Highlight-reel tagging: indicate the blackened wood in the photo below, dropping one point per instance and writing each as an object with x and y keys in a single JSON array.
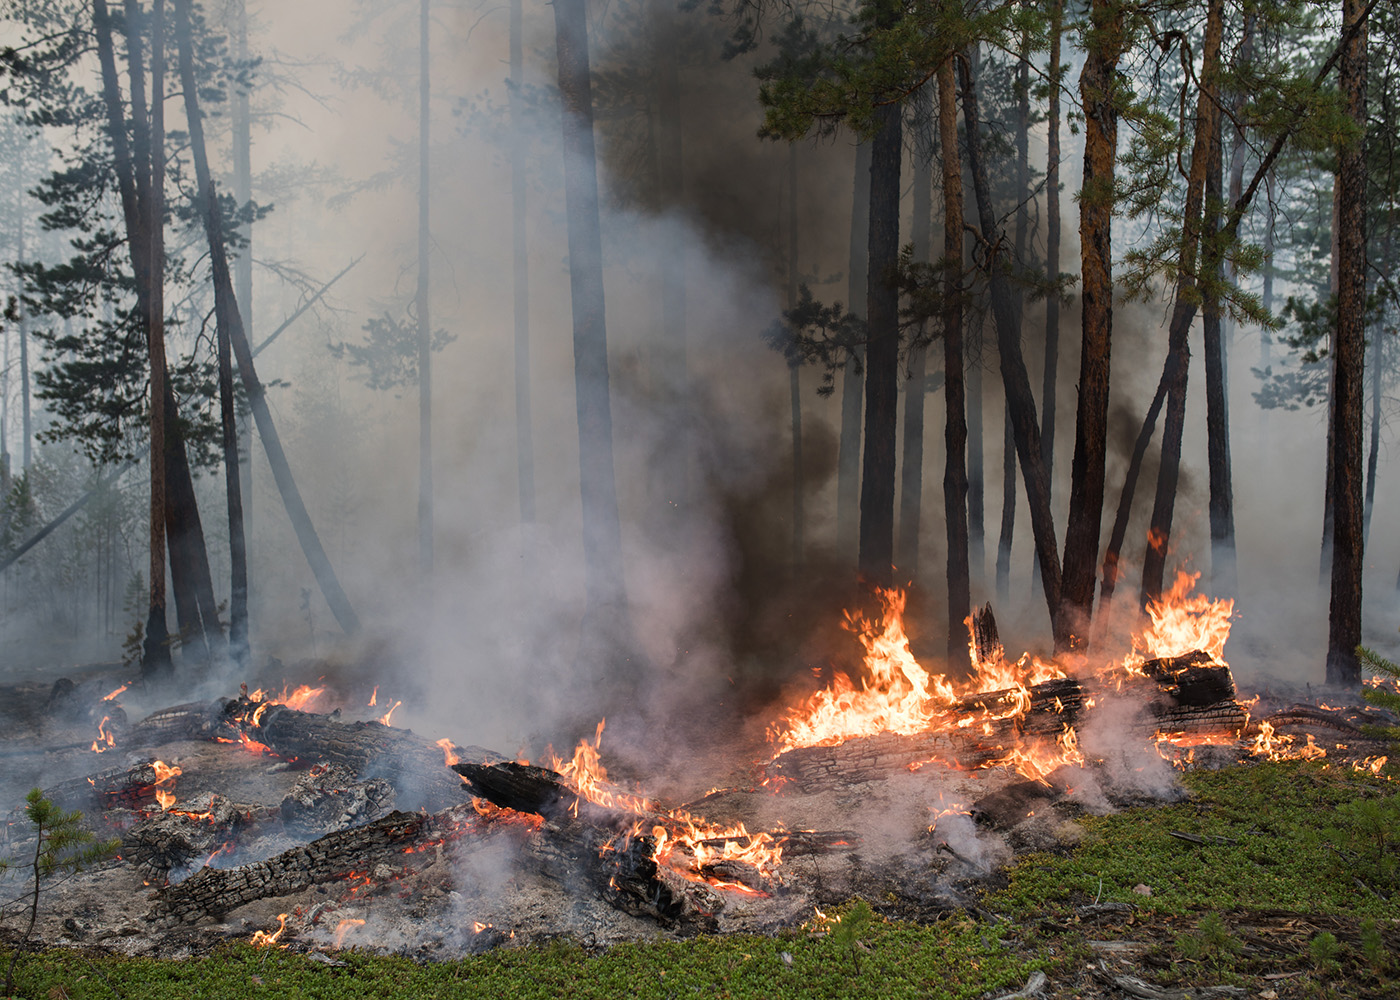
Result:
[
  {"x": 986, "y": 643},
  {"x": 212, "y": 892},
  {"x": 522, "y": 787},
  {"x": 1192, "y": 680}
]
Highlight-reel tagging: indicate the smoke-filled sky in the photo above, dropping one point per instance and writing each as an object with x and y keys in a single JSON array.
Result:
[{"x": 714, "y": 599}]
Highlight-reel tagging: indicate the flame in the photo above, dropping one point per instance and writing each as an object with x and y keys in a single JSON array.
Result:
[
  {"x": 679, "y": 836},
  {"x": 1272, "y": 745},
  {"x": 1037, "y": 759},
  {"x": 228, "y": 847},
  {"x": 384, "y": 719},
  {"x": 262, "y": 939},
  {"x": 345, "y": 927},
  {"x": 1370, "y": 764},
  {"x": 898, "y": 695},
  {"x": 116, "y": 692},
  {"x": 1180, "y": 624},
  {"x": 165, "y": 783},
  {"x": 374, "y": 696},
  {"x": 478, "y": 926},
  {"x": 249, "y": 744},
  {"x": 105, "y": 740},
  {"x": 165, "y": 799},
  {"x": 449, "y": 755},
  {"x": 302, "y": 698}
]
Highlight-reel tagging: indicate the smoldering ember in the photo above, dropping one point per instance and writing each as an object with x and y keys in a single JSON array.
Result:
[{"x": 462, "y": 468}]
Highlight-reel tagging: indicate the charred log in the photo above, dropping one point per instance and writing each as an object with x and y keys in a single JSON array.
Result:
[
  {"x": 1195, "y": 679},
  {"x": 114, "y": 788},
  {"x": 986, "y": 642},
  {"x": 168, "y": 844},
  {"x": 329, "y": 798},
  {"x": 393, "y": 841}
]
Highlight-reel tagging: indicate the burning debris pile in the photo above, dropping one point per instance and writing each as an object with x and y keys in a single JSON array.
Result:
[{"x": 264, "y": 814}]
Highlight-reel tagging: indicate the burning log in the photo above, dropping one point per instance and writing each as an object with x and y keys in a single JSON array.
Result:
[
  {"x": 1195, "y": 679},
  {"x": 118, "y": 787},
  {"x": 415, "y": 767},
  {"x": 179, "y": 839},
  {"x": 392, "y": 841}
]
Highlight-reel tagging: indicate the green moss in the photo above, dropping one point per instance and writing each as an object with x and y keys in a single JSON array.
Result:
[
  {"x": 951, "y": 960},
  {"x": 1293, "y": 835}
]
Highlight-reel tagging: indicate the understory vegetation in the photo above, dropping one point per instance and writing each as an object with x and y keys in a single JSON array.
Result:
[{"x": 1278, "y": 878}]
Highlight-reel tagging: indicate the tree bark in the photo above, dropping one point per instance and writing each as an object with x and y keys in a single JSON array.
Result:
[
  {"x": 602, "y": 533},
  {"x": 795, "y": 367},
  {"x": 425, "y": 326},
  {"x": 674, "y": 470},
  {"x": 853, "y": 374},
  {"x": 1050, "y": 375},
  {"x": 1344, "y": 617},
  {"x": 243, "y": 287},
  {"x": 1193, "y": 251},
  {"x": 524, "y": 423},
  {"x": 955, "y": 425},
  {"x": 26, "y": 426},
  {"x": 1096, "y": 202},
  {"x": 226, "y": 307},
  {"x": 1023, "y": 184},
  {"x": 911, "y": 468},
  {"x": 233, "y": 493},
  {"x": 1015, "y": 378},
  {"x": 1222, "y": 501},
  {"x": 882, "y": 353}
]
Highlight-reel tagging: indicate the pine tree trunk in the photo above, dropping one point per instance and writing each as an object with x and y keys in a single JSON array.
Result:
[
  {"x": 243, "y": 287},
  {"x": 425, "y": 326},
  {"x": 1344, "y": 617},
  {"x": 911, "y": 468},
  {"x": 1184, "y": 307},
  {"x": 795, "y": 368},
  {"x": 1377, "y": 339},
  {"x": 1266, "y": 296},
  {"x": 190, "y": 577},
  {"x": 1096, "y": 202},
  {"x": 955, "y": 426},
  {"x": 1222, "y": 501},
  {"x": 1014, "y": 376},
  {"x": 602, "y": 534},
  {"x": 26, "y": 427},
  {"x": 853, "y": 374},
  {"x": 882, "y": 353},
  {"x": 1008, "y": 444},
  {"x": 1050, "y": 376},
  {"x": 227, "y": 315},
  {"x": 524, "y": 423},
  {"x": 674, "y": 471}
]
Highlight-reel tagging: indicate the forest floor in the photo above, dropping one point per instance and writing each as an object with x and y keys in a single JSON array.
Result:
[{"x": 1271, "y": 880}]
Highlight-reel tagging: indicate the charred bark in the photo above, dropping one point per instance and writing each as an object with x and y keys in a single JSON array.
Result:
[
  {"x": 1222, "y": 499},
  {"x": 876, "y": 559},
  {"x": 1096, "y": 202},
  {"x": 955, "y": 419},
  {"x": 1015, "y": 378},
  {"x": 795, "y": 369},
  {"x": 853, "y": 374},
  {"x": 1344, "y": 616}
]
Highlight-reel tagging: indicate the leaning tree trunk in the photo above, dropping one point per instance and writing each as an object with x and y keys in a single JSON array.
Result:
[
  {"x": 602, "y": 533},
  {"x": 1184, "y": 308},
  {"x": 853, "y": 374},
  {"x": 955, "y": 427},
  {"x": 882, "y": 353},
  {"x": 425, "y": 326},
  {"x": 1015, "y": 379},
  {"x": 1023, "y": 193},
  {"x": 1344, "y": 617},
  {"x": 911, "y": 469},
  {"x": 524, "y": 423},
  {"x": 1096, "y": 201},
  {"x": 226, "y": 307}
]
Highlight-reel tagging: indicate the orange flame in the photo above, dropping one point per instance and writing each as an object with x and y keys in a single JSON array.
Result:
[
  {"x": 1037, "y": 759},
  {"x": 374, "y": 696},
  {"x": 262, "y": 939},
  {"x": 384, "y": 719},
  {"x": 302, "y": 698},
  {"x": 1181, "y": 624},
  {"x": 105, "y": 740},
  {"x": 450, "y": 755},
  {"x": 116, "y": 692},
  {"x": 898, "y": 695},
  {"x": 345, "y": 927}
]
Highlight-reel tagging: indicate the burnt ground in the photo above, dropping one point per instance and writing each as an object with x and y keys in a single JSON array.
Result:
[{"x": 924, "y": 844}]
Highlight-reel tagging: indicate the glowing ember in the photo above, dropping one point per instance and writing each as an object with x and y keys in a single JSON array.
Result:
[
  {"x": 1037, "y": 759},
  {"x": 680, "y": 835},
  {"x": 384, "y": 719},
  {"x": 262, "y": 939},
  {"x": 345, "y": 927},
  {"x": 897, "y": 695},
  {"x": 105, "y": 741}
]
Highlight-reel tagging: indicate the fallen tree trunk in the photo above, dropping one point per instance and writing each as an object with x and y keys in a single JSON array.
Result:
[{"x": 393, "y": 840}]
